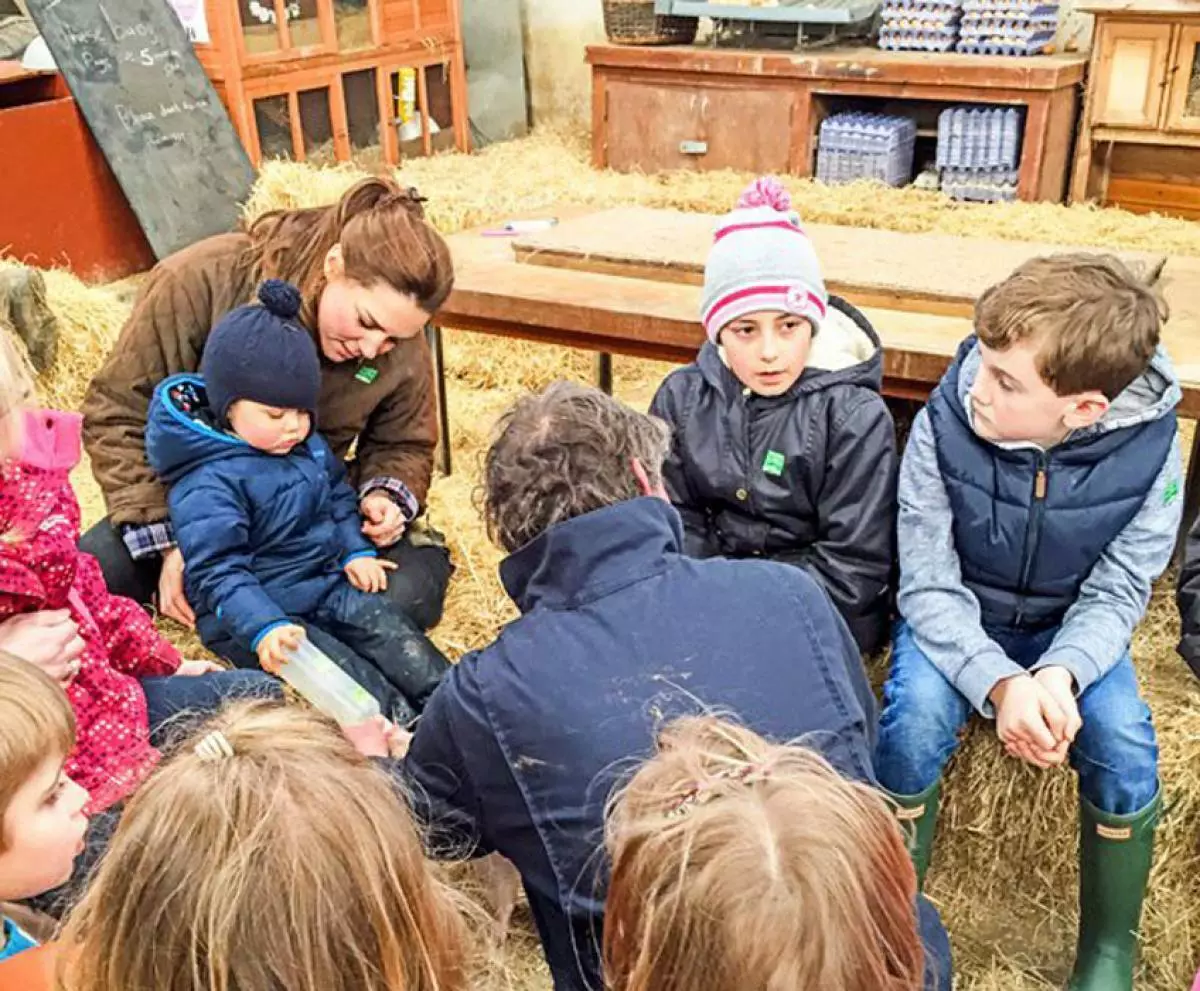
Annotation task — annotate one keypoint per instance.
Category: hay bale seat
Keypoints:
(1004, 870)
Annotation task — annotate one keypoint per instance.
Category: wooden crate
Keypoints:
(326, 80)
(1139, 147)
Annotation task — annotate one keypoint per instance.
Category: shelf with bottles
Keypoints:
(972, 151)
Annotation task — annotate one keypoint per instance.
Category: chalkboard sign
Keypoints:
(153, 112)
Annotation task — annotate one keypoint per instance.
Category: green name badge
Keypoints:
(367, 374)
(773, 463)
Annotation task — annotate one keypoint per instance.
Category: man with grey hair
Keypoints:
(524, 741)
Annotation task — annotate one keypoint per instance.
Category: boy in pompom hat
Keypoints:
(266, 520)
(783, 446)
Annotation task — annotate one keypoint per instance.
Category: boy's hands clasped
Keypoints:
(1037, 717)
(369, 574)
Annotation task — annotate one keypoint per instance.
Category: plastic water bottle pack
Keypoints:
(858, 145)
(919, 25)
(978, 152)
(1008, 27)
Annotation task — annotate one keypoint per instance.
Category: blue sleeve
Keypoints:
(212, 525)
(344, 500)
(942, 612)
(838, 670)
(1096, 630)
(436, 769)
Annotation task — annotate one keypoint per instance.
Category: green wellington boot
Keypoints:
(918, 813)
(1114, 866)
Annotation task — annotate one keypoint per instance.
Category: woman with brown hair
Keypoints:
(266, 855)
(739, 863)
(372, 272)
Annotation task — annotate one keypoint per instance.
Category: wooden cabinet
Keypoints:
(654, 127)
(1130, 88)
(1183, 100)
(1139, 146)
(327, 80)
(756, 111)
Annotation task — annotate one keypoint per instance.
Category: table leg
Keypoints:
(1191, 497)
(604, 372)
(433, 335)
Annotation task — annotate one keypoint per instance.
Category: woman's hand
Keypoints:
(50, 639)
(172, 601)
(378, 738)
(383, 522)
(275, 648)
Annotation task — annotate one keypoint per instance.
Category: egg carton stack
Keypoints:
(978, 151)
(1008, 27)
(857, 145)
(919, 25)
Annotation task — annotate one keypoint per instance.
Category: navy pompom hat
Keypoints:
(261, 353)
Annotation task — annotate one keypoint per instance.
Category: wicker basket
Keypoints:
(633, 22)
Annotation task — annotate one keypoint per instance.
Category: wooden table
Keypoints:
(626, 282)
(758, 111)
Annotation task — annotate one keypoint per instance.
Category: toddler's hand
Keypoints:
(369, 574)
(1029, 721)
(274, 648)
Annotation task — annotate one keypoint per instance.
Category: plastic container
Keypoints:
(866, 146)
(328, 687)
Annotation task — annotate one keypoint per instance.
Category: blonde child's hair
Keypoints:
(268, 855)
(36, 723)
(738, 863)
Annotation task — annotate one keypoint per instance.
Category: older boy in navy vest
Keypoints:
(1039, 498)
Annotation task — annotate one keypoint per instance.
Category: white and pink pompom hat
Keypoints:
(761, 259)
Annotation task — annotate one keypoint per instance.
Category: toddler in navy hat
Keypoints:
(264, 515)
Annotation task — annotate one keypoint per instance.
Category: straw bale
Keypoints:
(528, 178)
(1004, 872)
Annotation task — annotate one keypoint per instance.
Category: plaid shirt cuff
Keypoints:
(397, 490)
(147, 539)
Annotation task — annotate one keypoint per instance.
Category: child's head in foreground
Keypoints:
(764, 297)
(42, 823)
(266, 855)
(262, 372)
(738, 863)
(1060, 339)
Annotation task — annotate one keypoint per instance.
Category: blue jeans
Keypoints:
(939, 967)
(1115, 753)
(175, 705)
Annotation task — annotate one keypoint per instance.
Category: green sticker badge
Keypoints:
(367, 374)
(773, 463)
(1171, 492)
